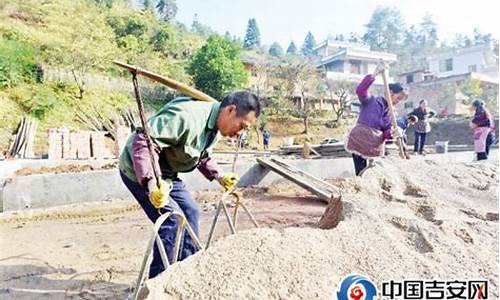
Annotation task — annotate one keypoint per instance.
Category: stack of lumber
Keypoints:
(23, 143)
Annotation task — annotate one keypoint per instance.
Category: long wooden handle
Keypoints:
(388, 97)
(178, 86)
(390, 107)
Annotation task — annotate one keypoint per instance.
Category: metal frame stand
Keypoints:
(155, 238)
(230, 222)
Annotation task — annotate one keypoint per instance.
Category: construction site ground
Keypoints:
(94, 251)
(420, 218)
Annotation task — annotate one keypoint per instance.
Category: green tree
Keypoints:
(292, 49)
(80, 48)
(217, 68)
(199, 28)
(385, 29)
(106, 3)
(354, 37)
(275, 49)
(339, 37)
(480, 38)
(128, 25)
(167, 9)
(461, 41)
(17, 62)
(428, 32)
(252, 36)
(309, 44)
(148, 4)
(472, 89)
(301, 81)
(339, 93)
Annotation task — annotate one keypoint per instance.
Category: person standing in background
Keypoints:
(266, 136)
(481, 126)
(422, 127)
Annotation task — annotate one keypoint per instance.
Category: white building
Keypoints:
(476, 59)
(348, 61)
(447, 71)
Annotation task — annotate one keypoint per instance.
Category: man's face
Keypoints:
(229, 124)
(398, 97)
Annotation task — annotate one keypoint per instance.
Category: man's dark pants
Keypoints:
(420, 142)
(180, 200)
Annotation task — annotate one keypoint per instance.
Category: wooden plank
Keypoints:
(310, 177)
(22, 152)
(12, 150)
(176, 85)
(323, 195)
(20, 138)
(28, 150)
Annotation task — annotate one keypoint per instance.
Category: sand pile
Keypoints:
(403, 219)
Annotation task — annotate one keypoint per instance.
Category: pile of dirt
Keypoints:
(401, 220)
(70, 168)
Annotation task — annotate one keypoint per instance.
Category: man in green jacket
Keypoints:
(183, 133)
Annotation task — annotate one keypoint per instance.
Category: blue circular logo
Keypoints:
(356, 287)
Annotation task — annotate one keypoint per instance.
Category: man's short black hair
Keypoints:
(395, 87)
(412, 118)
(244, 101)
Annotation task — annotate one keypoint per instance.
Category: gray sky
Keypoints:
(287, 20)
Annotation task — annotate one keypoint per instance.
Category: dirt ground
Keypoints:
(69, 168)
(94, 251)
(405, 219)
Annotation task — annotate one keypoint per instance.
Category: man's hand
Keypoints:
(158, 195)
(228, 181)
(379, 70)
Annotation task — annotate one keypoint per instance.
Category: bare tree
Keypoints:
(301, 81)
(340, 93)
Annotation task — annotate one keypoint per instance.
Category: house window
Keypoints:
(428, 77)
(446, 65)
(355, 66)
(408, 105)
(409, 78)
(336, 66)
(472, 68)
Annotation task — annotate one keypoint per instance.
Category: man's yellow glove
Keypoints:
(158, 195)
(228, 181)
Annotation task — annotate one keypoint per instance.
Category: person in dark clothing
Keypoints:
(422, 127)
(482, 126)
(266, 136)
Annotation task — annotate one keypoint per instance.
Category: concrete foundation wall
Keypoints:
(457, 132)
(46, 190)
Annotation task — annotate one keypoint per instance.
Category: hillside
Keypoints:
(55, 54)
